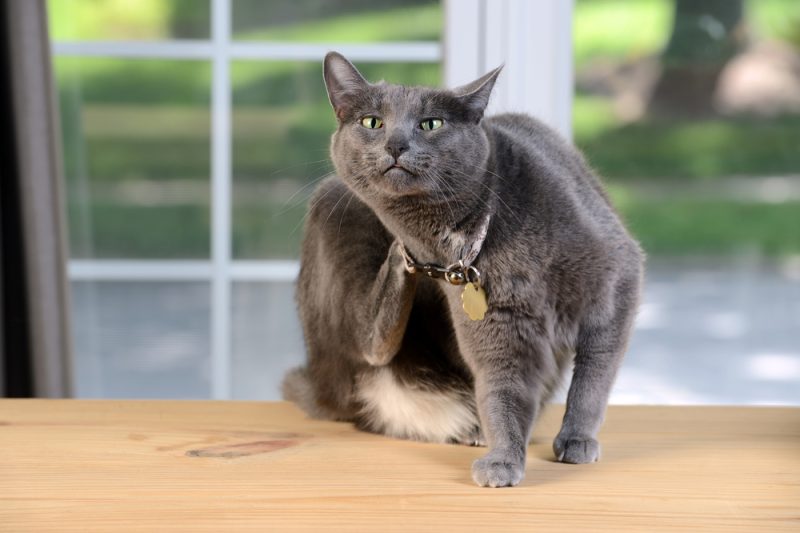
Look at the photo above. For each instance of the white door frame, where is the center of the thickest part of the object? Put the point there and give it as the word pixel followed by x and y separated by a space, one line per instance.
pixel 533 38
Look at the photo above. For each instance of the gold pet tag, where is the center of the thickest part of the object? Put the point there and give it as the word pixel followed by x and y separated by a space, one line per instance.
pixel 473 300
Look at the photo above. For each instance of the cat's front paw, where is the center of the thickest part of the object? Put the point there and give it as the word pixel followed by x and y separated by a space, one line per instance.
pixel 496 470
pixel 576 450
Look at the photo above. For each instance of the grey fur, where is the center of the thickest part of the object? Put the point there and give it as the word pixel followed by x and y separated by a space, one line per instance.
pixel 561 273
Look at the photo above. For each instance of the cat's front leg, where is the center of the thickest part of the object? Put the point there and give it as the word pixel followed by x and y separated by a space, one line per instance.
pixel 505 358
pixel 387 309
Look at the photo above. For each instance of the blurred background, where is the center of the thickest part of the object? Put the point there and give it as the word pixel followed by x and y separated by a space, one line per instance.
pixel 193 133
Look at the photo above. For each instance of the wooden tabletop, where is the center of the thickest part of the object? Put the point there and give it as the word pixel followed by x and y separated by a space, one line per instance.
pixel 70 465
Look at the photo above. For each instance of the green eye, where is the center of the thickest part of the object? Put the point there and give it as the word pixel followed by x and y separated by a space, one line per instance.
pixel 372 123
pixel 431 124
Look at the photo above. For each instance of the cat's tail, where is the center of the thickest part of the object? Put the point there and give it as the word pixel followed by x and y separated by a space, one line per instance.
pixel 297 388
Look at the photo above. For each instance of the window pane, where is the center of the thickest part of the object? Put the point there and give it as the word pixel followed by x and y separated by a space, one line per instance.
pixel 139 20
pixel 282 123
pixel 141 339
pixel 690 111
pixel 136 137
pixel 341 21
pixel 267 339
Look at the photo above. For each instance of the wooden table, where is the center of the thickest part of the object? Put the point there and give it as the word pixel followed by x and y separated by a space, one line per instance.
pixel 70 465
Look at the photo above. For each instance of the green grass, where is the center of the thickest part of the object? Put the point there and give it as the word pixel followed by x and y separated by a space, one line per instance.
pixel 417 23
pixel 591 116
pixel 157 19
pixel 696 150
pixel 131 121
pixel 628 29
pixel 115 231
pixel 619 29
pixel 108 19
pixel 774 19
pixel 685 227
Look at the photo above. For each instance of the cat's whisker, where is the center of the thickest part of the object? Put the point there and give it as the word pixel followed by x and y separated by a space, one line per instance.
pixel 483 201
pixel 491 191
pixel 439 182
pixel 304 164
pixel 287 204
pixel 310 210
pixel 341 219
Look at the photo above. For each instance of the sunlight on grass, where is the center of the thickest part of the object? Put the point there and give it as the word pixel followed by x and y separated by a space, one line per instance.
pixel 72 20
pixel 774 18
pixel 621 29
pixel 626 29
pixel 419 23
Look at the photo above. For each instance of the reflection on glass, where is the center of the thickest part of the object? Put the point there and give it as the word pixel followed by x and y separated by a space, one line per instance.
pixel 266 339
pixel 141 339
pixel 691 112
pixel 282 123
pixel 136 137
pixel 140 20
pixel 338 21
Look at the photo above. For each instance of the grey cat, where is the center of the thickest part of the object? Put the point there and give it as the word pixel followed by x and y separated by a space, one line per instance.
pixel 424 179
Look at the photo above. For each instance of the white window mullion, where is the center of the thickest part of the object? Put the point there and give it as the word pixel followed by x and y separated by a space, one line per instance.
pixel 532 39
pixel 183 49
pixel 221 183
pixel 197 49
pixel 138 270
pixel 384 52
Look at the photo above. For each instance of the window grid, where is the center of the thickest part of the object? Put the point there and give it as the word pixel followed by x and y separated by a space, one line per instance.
pixel 221 270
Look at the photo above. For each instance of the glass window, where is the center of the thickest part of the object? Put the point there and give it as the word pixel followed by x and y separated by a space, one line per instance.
pixel 141 339
pixel 690 111
pixel 138 152
pixel 125 20
pixel 340 21
pixel 264 315
pixel 136 137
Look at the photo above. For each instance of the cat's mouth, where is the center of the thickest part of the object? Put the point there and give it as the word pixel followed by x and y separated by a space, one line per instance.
pixel 397 171
pixel 399 179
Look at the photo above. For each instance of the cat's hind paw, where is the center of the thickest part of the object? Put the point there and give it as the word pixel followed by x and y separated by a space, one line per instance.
pixel 473 438
pixel 576 450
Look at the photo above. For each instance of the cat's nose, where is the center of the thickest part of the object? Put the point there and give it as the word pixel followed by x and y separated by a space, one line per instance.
pixel 396 146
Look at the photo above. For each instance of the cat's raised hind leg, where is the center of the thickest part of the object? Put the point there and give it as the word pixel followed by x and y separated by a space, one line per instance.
pixel 387 309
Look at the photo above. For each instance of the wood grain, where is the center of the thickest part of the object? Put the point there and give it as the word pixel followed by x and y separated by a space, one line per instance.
pixel 70 465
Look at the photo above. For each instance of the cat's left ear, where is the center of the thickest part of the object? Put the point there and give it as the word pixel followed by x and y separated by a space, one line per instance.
pixel 475 95
pixel 343 81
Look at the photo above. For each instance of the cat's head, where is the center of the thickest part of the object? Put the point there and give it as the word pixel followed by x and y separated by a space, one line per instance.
pixel 394 140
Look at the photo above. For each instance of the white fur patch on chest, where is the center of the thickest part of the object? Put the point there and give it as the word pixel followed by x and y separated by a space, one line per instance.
pixel 408 412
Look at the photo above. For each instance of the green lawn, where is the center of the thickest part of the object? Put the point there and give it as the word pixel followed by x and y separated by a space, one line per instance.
pixel 681 227
pixel 708 149
pixel 142 124
pixel 627 29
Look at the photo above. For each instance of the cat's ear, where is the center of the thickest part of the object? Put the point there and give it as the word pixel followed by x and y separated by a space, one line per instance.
pixel 475 95
pixel 343 81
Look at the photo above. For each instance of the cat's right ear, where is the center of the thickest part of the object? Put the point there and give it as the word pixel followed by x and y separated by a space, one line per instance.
pixel 343 81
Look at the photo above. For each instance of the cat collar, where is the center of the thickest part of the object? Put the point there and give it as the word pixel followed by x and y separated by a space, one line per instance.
pixel 457 273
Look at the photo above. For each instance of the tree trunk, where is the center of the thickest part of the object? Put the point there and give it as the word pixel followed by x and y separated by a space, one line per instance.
pixel 705 35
